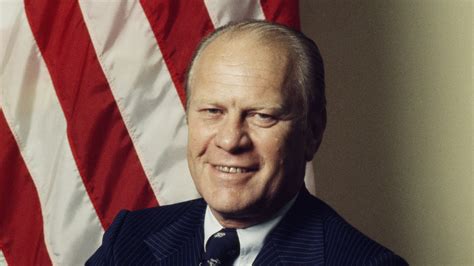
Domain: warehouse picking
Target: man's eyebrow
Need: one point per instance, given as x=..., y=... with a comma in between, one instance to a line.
x=273, y=108
x=282, y=111
x=278, y=109
x=206, y=102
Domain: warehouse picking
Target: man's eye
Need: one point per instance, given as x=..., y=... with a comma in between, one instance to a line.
x=264, y=116
x=213, y=111
x=263, y=120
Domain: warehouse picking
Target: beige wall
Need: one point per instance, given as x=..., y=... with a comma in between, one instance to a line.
x=397, y=156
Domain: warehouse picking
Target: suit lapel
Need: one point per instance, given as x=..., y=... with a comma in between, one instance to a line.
x=298, y=238
x=181, y=242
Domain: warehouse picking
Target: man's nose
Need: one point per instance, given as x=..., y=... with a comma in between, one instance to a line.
x=232, y=135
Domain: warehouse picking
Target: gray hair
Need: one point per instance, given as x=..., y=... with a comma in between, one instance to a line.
x=306, y=71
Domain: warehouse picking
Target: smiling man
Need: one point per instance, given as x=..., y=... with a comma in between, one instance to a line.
x=247, y=142
x=256, y=115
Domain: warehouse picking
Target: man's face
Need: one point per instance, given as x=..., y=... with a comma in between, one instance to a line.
x=245, y=150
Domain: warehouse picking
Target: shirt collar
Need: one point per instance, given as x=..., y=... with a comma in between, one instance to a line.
x=251, y=238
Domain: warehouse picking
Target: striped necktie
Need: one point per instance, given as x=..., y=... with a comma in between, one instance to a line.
x=222, y=248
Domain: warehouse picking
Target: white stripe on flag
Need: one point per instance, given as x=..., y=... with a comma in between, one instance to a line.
x=3, y=261
x=71, y=227
x=225, y=11
x=145, y=94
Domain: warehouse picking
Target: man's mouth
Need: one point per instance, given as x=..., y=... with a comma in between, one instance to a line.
x=232, y=169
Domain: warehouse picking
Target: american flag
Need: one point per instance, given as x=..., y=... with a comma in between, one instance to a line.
x=92, y=115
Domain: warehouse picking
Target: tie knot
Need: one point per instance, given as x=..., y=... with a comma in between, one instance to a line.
x=222, y=248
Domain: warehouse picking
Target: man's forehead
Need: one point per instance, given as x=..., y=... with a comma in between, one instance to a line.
x=257, y=88
x=242, y=60
x=242, y=64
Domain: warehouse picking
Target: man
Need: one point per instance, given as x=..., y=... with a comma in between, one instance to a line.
x=256, y=115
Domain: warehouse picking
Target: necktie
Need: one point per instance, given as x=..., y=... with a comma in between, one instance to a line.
x=222, y=248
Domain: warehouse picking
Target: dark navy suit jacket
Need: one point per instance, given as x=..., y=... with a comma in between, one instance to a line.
x=311, y=233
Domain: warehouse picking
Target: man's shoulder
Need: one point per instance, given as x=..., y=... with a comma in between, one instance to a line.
x=130, y=238
x=161, y=216
x=131, y=226
x=344, y=243
x=170, y=209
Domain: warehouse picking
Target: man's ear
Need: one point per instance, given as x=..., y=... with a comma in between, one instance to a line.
x=316, y=125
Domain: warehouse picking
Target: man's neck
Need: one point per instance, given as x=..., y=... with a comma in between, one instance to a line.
x=245, y=221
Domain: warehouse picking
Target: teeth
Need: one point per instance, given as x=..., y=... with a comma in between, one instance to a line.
x=231, y=169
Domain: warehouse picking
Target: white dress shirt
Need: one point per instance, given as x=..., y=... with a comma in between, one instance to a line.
x=251, y=238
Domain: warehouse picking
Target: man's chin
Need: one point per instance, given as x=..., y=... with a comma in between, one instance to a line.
x=243, y=213
x=228, y=208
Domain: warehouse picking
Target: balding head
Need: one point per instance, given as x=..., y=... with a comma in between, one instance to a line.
x=305, y=77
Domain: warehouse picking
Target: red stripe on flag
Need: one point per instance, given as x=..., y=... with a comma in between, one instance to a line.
x=103, y=150
x=21, y=222
x=178, y=28
x=282, y=11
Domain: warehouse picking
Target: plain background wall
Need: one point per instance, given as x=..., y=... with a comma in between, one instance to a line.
x=396, y=160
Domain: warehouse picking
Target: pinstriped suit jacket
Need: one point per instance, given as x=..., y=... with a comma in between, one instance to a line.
x=311, y=233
